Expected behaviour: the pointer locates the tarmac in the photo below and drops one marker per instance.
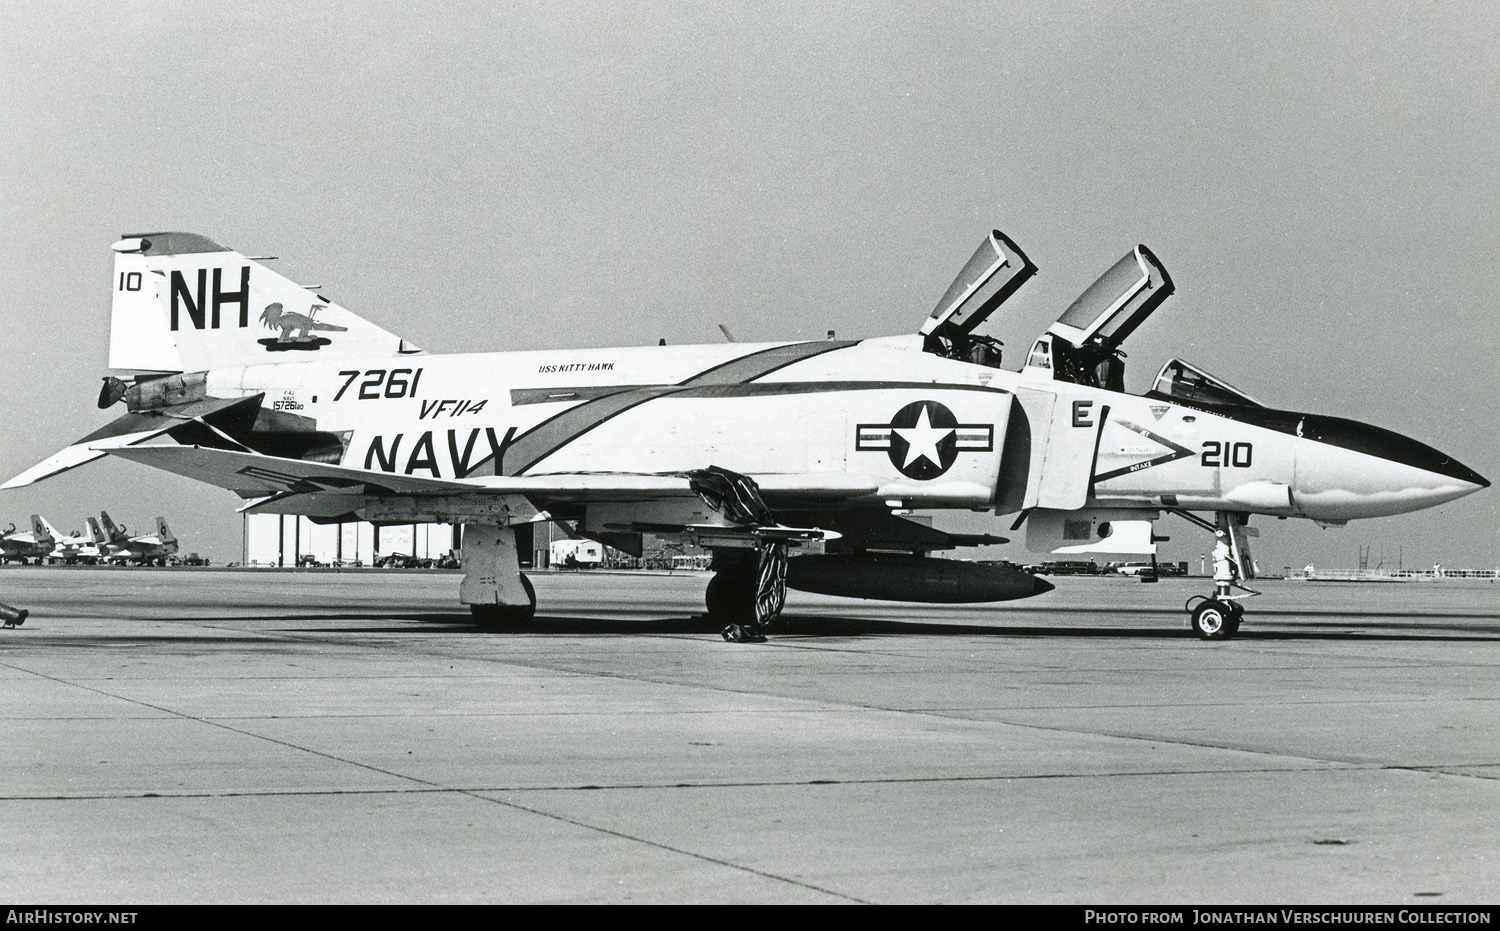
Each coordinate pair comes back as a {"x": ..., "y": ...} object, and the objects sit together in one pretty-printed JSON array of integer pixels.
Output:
[{"x": 303, "y": 737}]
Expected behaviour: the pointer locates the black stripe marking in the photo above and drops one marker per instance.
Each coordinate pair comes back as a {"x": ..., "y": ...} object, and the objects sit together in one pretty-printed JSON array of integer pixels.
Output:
[
  {"x": 1344, "y": 434},
  {"x": 520, "y": 396},
  {"x": 1178, "y": 452},
  {"x": 558, "y": 431}
]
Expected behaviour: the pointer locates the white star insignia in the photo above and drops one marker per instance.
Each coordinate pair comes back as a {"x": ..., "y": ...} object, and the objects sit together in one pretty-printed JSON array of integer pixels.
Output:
[{"x": 922, "y": 440}]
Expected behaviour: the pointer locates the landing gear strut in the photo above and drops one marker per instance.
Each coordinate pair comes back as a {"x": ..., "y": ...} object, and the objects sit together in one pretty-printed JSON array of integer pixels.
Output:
[
  {"x": 749, "y": 593},
  {"x": 497, "y": 594},
  {"x": 1218, "y": 616}
]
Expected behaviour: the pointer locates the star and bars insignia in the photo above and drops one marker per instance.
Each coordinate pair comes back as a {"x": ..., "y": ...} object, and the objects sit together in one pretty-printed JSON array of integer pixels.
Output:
[{"x": 924, "y": 439}]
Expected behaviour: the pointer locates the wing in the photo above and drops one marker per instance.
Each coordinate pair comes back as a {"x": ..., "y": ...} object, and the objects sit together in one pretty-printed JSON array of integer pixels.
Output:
[{"x": 736, "y": 507}]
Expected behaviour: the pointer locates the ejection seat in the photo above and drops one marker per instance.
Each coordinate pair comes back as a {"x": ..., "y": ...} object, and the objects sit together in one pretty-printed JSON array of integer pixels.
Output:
[{"x": 1083, "y": 346}]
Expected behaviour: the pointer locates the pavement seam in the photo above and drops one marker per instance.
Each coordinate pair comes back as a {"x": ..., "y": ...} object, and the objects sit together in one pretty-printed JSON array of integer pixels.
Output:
[
  {"x": 821, "y": 702},
  {"x": 435, "y": 789},
  {"x": 876, "y": 708},
  {"x": 1341, "y": 763},
  {"x": 474, "y": 794}
]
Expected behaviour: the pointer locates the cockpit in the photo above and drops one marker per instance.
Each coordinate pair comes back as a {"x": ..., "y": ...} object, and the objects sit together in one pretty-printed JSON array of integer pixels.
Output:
[
  {"x": 1083, "y": 345},
  {"x": 995, "y": 271},
  {"x": 1182, "y": 381}
]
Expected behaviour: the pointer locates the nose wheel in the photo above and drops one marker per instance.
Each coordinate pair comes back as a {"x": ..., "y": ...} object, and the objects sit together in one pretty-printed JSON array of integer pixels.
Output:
[
  {"x": 1213, "y": 619},
  {"x": 743, "y": 633}
]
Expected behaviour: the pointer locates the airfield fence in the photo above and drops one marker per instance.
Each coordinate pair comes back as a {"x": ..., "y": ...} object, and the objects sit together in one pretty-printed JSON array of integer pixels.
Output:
[{"x": 1435, "y": 574}]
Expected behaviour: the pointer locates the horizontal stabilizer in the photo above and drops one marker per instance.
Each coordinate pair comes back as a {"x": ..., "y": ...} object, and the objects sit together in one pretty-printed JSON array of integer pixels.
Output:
[
  {"x": 74, "y": 456},
  {"x": 255, "y": 475},
  {"x": 126, "y": 431}
]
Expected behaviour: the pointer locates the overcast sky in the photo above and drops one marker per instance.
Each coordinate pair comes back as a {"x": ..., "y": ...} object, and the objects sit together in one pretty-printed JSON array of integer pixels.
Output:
[{"x": 1321, "y": 180}]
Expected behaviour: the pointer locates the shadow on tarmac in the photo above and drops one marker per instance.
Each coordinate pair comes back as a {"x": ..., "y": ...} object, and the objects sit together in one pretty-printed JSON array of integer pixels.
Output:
[{"x": 820, "y": 626}]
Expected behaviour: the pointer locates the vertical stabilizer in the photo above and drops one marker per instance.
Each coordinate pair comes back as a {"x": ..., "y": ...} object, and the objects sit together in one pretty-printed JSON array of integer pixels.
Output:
[
  {"x": 112, "y": 534},
  {"x": 184, "y": 303},
  {"x": 43, "y": 530},
  {"x": 163, "y": 531}
]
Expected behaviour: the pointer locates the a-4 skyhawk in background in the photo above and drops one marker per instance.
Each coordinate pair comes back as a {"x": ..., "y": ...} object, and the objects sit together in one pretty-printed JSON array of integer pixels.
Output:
[
  {"x": 792, "y": 462},
  {"x": 21, "y": 545},
  {"x": 117, "y": 545}
]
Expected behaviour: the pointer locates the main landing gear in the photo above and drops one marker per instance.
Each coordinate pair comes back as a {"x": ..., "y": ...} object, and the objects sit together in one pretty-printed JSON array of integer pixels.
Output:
[
  {"x": 492, "y": 617},
  {"x": 748, "y": 591},
  {"x": 497, "y": 594}
]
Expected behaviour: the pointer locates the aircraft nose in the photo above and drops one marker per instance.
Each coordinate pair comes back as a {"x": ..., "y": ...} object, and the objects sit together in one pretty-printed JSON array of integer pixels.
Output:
[{"x": 1349, "y": 470}]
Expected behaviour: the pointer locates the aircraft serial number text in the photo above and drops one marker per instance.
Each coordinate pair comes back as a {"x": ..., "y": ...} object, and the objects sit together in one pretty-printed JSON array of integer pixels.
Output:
[{"x": 379, "y": 383}]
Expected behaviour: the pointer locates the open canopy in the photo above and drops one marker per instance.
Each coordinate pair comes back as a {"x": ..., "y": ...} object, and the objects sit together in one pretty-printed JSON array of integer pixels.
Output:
[
  {"x": 997, "y": 268},
  {"x": 1121, "y": 300}
]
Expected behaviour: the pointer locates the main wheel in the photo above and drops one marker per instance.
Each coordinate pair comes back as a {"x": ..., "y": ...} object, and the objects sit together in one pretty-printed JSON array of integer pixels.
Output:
[
  {"x": 730, "y": 598},
  {"x": 499, "y": 617},
  {"x": 1215, "y": 620}
]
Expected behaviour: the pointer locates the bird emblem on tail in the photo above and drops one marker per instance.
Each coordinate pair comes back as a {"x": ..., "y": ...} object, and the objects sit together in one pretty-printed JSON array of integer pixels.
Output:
[{"x": 296, "y": 329}]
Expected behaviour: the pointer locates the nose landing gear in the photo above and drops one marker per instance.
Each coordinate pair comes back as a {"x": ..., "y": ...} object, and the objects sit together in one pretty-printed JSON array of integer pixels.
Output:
[
  {"x": 1215, "y": 619},
  {"x": 1218, "y": 616}
]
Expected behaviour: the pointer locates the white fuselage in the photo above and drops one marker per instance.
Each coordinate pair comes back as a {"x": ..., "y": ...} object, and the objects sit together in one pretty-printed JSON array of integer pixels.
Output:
[{"x": 921, "y": 431}]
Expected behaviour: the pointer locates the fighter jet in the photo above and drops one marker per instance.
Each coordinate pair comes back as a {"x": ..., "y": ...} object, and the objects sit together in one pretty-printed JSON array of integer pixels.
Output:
[
  {"x": 795, "y": 463},
  {"x": 76, "y": 547},
  {"x": 148, "y": 549},
  {"x": 36, "y": 543}
]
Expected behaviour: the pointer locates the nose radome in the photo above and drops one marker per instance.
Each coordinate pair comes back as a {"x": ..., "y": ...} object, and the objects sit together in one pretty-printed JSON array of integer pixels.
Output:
[
  {"x": 1388, "y": 445},
  {"x": 1352, "y": 470}
]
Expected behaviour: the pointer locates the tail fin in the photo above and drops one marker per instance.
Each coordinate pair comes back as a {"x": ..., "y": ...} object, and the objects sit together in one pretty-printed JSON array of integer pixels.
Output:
[
  {"x": 43, "y": 530},
  {"x": 113, "y": 533},
  {"x": 163, "y": 531},
  {"x": 184, "y": 303},
  {"x": 95, "y": 534}
]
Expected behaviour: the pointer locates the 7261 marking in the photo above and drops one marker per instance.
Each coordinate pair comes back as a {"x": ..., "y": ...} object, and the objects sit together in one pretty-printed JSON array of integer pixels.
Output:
[{"x": 380, "y": 383}]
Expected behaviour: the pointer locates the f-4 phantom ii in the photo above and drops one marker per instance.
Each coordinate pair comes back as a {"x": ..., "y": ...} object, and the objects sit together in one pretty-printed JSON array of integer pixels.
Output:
[
  {"x": 116, "y": 545},
  {"x": 792, "y": 462}
]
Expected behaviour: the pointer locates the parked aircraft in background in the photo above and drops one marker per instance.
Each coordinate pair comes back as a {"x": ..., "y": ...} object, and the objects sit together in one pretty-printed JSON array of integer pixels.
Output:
[
  {"x": 148, "y": 549},
  {"x": 74, "y": 547},
  {"x": 37, "y": 543},
  {"x": 758, "y": 452}
]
